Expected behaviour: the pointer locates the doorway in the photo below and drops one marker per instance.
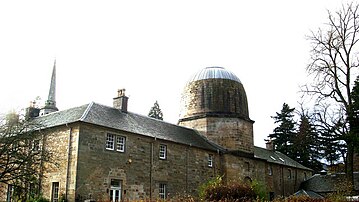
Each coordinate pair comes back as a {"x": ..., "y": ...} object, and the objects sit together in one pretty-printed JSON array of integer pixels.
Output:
[{"x": 115, "y": 190}]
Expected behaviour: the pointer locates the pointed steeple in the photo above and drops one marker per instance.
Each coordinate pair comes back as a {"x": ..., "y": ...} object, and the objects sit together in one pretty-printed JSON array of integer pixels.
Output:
[{"x": 50, "y": 104}]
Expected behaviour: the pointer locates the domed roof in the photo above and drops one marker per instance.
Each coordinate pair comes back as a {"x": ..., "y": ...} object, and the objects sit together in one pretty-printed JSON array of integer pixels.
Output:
[
  {"x": 214, "y": 73},
  {"x": 214, "y": 92}
]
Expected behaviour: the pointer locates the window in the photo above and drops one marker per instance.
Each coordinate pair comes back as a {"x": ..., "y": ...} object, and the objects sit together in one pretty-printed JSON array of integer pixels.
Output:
[
  {"x": 210, "y": 160},
  {"x": 289, "y": 174},
  {"x": 305, "y": 176},
  {"x": 115, "y": 190},
  {"x": 110, "y": 142},
  {"x": 120, "y": 143},
  {"x": 248, "y": 166},
  {"x": 10, "y": 191},
  {"x": 115, "y": 141},
  {"x": 270, "y": 170},
  {"x": 162, "y": 191},
  {"x": 36, "y": 145},
  {"x": 55, "y": 192},
  {"x": 163, "y": 151}
]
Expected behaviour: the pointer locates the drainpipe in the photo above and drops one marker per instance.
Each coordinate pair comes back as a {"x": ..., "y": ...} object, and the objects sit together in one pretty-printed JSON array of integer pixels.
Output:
[
  {"x": 282, "y": 180},
  {"x": 151, "y": 170},
  {"x": 41, "y": 161},
  {"x": 68, "y": 162},
  {"x": 187, "y": 168}
]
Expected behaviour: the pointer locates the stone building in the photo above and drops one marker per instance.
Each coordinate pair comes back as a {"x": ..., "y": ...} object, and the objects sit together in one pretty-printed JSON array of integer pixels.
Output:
[{"x": 107, "y": 152}]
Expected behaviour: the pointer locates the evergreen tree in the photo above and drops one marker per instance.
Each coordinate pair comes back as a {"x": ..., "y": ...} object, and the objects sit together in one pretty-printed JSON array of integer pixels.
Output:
[
  {"x": 156, "y": 112},
  {"x": 354, "y": 115},
  {"x": 284, "y": 133},
  {"x": 306, "y": 145}
]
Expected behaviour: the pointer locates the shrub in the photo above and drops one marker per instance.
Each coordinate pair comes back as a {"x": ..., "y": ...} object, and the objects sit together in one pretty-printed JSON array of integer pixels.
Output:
[
  {"x": 38, "y": 199},
  {"x": 216, "y": 190},
  {"x": 260, "y": 190}
]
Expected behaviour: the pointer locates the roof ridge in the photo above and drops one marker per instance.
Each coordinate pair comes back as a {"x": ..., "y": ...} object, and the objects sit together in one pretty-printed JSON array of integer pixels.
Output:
[
  {"x": 138, "y": 114},
  {"x": 84, "y": 115}
]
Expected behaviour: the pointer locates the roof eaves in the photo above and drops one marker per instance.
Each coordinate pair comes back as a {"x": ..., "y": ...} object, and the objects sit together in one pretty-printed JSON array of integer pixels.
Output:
[{"x": 216, "y": 146}]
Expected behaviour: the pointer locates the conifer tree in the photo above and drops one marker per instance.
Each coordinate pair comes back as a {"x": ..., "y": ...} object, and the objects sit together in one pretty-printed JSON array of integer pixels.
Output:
[
  {"x": 284, "y": 133},
  {"x": 306, "y": 145},
  {"x": 156, "y": 112},
  {"x": 354, "y": 115}
]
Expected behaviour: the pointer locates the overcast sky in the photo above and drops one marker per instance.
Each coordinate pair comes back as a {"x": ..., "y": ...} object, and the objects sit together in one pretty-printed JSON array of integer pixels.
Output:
[{"x": 151, "y": 48}]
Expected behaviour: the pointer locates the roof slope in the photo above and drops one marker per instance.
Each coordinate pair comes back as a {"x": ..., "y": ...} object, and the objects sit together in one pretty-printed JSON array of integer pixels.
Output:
[
  {"x": 310, "y": 194},
  {"x": 276, "y": 157},
  {"x": 101, "y": 115},
  {"x": 328, "y": 183}
]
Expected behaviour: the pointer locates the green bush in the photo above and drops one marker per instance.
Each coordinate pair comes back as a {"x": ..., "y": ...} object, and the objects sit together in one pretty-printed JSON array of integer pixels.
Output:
[
  {"x": 216, "y": 190},
  {"x": 260, "y": 190},
  {"x": 38, "y": 199}
]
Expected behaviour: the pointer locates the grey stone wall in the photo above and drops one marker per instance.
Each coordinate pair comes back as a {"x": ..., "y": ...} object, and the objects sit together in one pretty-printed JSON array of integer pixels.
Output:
[
  {"x": 231, "y": 133},
  {"x": 62, "y": 143},
  {"x": 284, "y": 180},
  {"x": 139, "y": 167}
]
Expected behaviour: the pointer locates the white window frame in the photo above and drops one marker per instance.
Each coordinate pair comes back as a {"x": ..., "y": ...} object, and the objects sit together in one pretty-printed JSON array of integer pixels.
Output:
[
  {"x": 120, "y": 143},
  {"x": 210, "y": 160},
  {"x": 162, "y": 191},
  {"x": 115, "y": 192},
  {"x": 110, "y": 141},
  {"x": 55, "y": 192},
  {"x": 163, "y": 151}
]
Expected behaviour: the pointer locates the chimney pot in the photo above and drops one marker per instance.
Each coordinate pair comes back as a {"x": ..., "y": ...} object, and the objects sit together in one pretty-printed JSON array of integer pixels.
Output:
[{"x": 120, "y": 102}]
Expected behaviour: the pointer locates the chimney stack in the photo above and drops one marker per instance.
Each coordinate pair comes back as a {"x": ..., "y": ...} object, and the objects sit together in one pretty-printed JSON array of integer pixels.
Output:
[
  {"x": 120, "y": 102},
  {"x": 32, "y": 111},
  {"x": 269, "y": 145}
]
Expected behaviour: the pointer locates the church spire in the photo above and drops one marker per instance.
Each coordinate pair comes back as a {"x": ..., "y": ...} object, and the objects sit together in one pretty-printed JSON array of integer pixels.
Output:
[{"x": 50, "y": 104}]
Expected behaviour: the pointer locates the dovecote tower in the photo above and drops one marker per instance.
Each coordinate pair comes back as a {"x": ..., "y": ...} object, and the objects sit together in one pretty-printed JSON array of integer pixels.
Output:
[{"x": 214, "y": 102}]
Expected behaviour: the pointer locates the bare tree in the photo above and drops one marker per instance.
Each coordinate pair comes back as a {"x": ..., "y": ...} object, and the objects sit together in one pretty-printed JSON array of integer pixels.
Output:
[
  {"x": 334, "y": 62},
  {"x": 21, "y": 155}
]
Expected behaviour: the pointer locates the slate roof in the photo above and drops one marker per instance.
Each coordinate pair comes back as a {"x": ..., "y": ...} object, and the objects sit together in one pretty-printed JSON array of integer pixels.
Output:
[
  {"x": 310, "y": 194},
  {"x": 328, "y": 183},
  {"x": 110, "y": 117},
  {"x": 277, "y": 158},
  {"x": 101, "y": 115}
]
